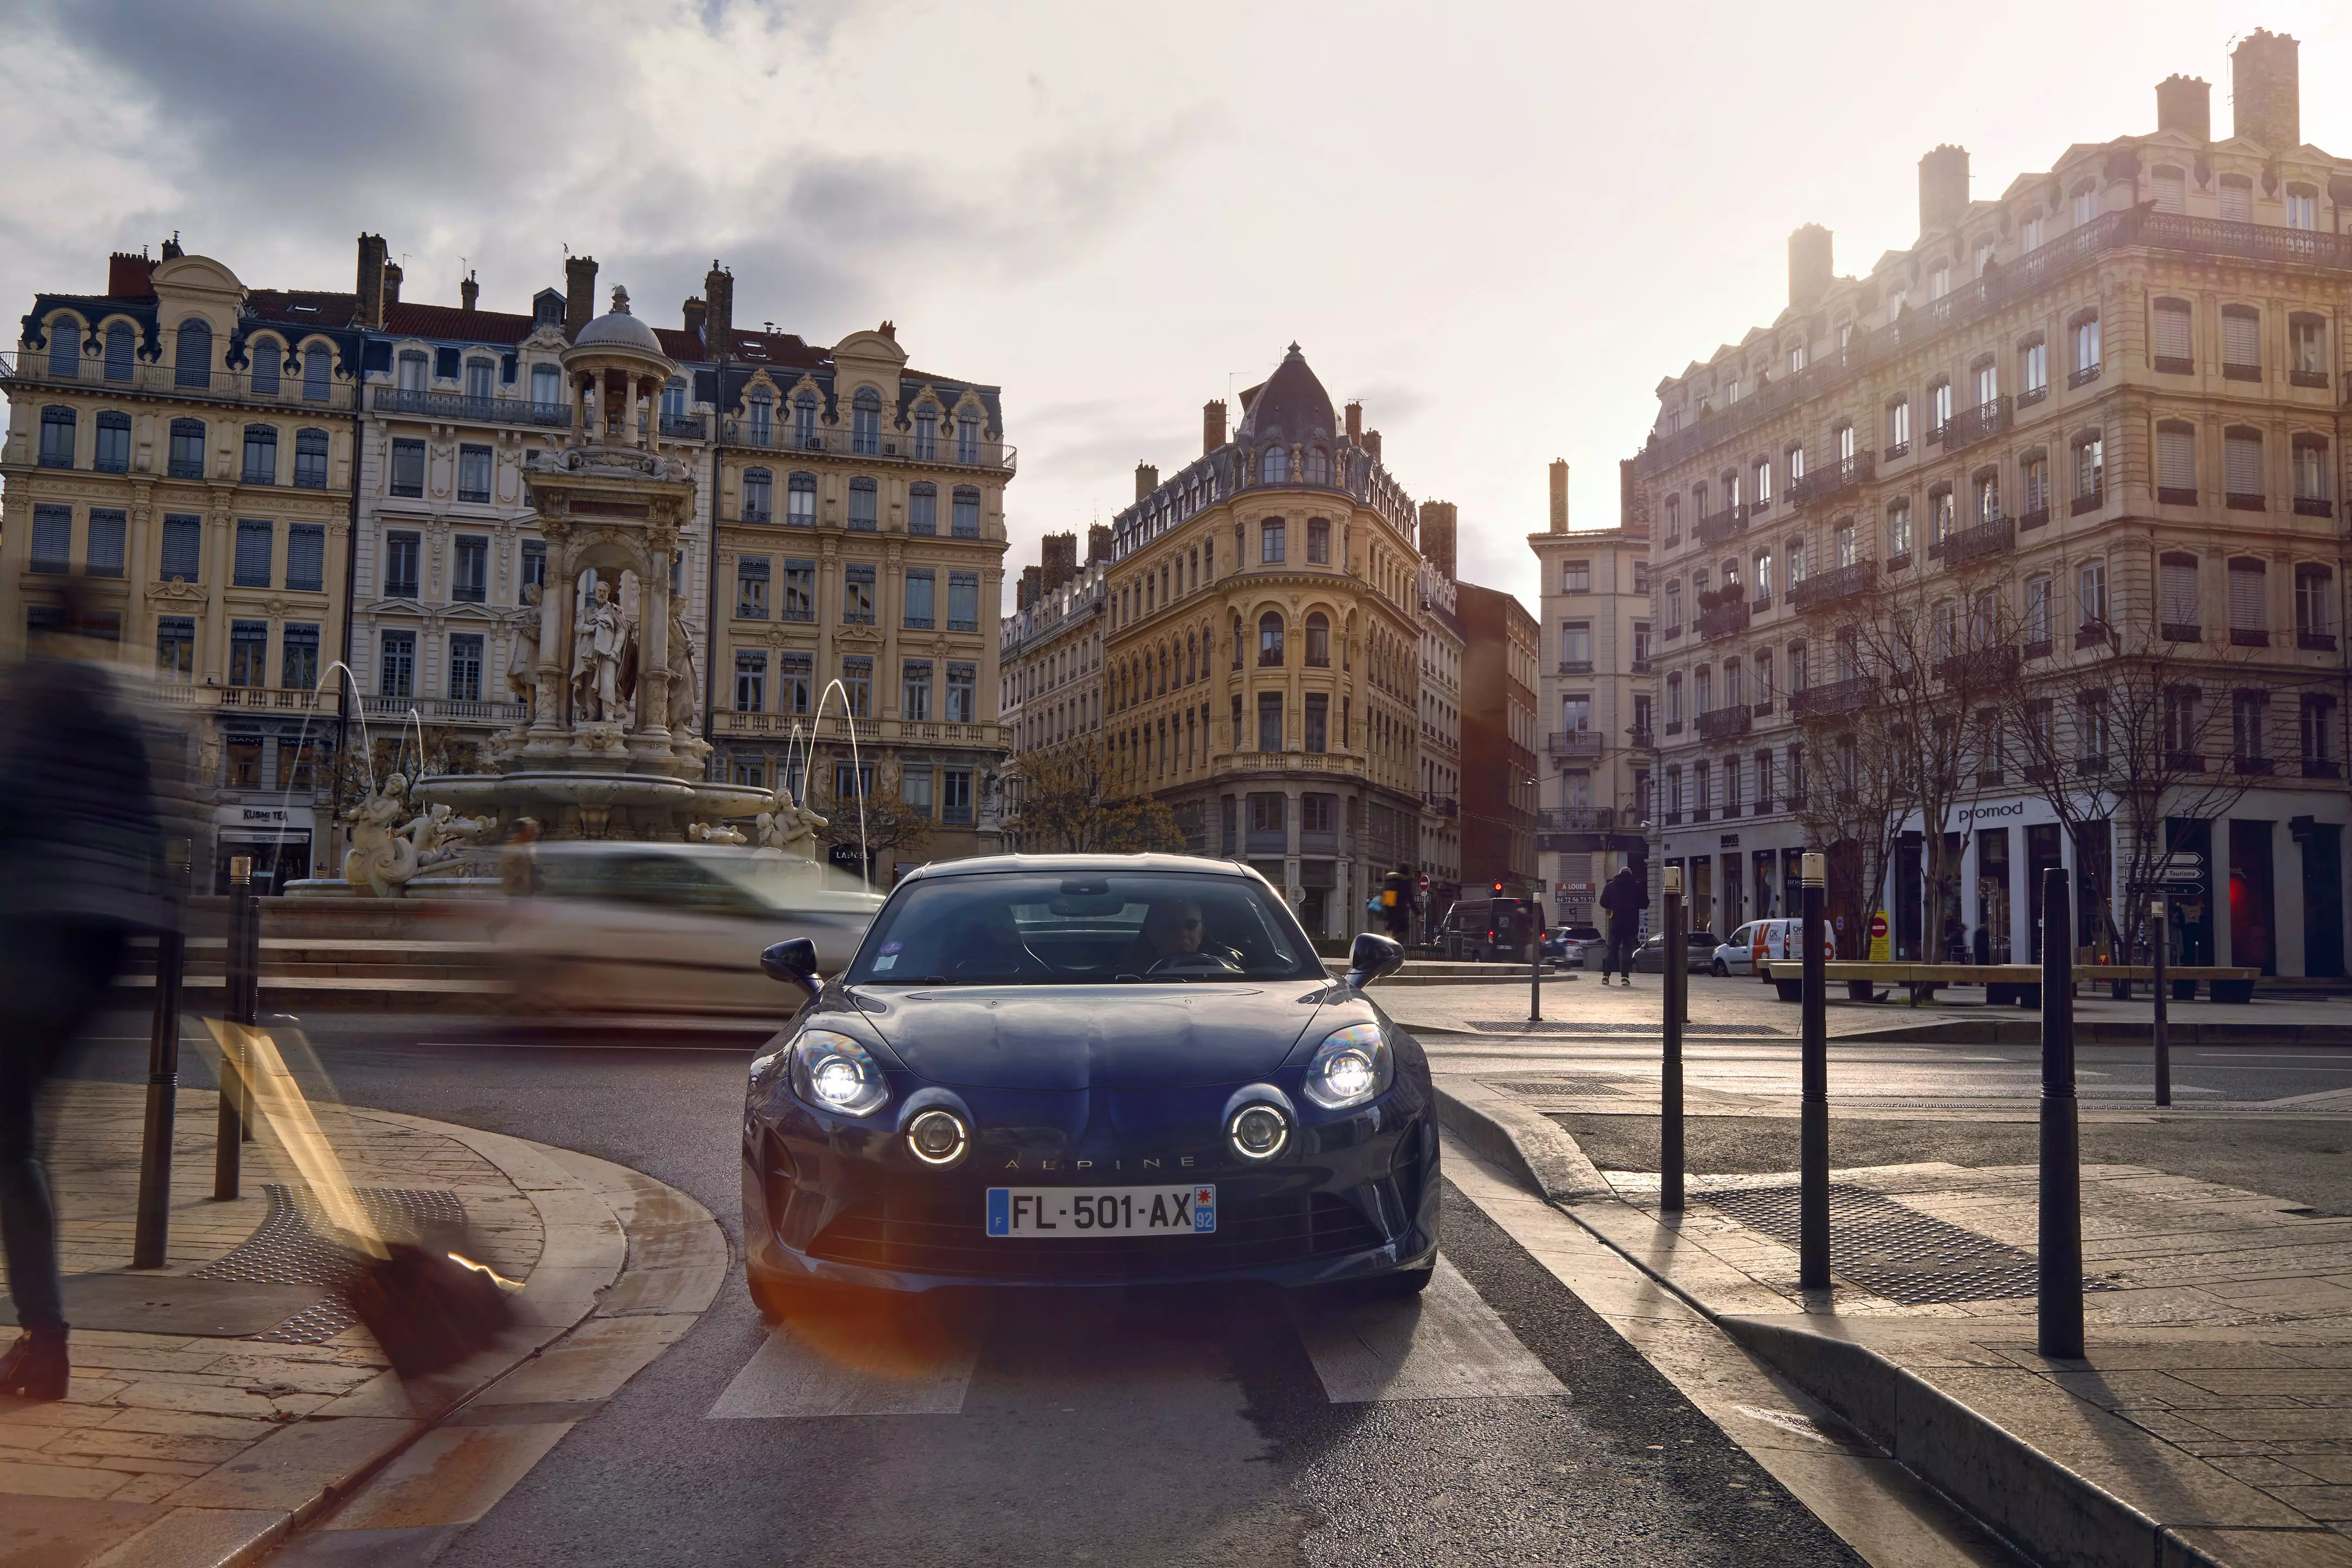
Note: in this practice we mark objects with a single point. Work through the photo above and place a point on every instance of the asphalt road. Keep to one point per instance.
(1146, 1428)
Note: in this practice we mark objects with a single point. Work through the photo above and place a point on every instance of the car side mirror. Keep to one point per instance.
(1374, 956)
(794, 962)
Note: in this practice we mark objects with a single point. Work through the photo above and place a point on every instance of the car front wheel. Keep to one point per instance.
(1717, 970)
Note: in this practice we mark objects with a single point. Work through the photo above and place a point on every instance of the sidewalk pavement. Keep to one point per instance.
(2210, 1423)
(205, 1439)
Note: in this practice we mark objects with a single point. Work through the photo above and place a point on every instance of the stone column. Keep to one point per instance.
(653, 646)
(549, 717)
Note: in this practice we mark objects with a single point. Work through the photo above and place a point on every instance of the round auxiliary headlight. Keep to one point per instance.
(938, 1137)
(1259, 1131)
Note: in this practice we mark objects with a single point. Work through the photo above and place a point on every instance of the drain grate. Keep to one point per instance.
(1890, 1249)
(288, 1250)
(1557, 1087)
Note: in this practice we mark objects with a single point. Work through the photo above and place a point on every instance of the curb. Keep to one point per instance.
(2044, 1509)
(615, 1244)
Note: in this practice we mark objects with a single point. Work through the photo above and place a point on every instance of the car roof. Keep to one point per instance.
(978, 865)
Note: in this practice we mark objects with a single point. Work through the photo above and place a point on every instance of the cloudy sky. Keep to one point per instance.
(1497, 226)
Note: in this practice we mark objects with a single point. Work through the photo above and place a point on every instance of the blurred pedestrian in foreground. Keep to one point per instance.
(518, 860)
(80, 852)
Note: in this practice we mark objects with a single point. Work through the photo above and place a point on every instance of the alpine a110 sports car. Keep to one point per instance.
(1094, 1070)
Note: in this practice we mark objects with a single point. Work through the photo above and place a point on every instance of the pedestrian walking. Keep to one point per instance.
(1397, 903)
(1983, 941)
(1623, 901)
(80, 862)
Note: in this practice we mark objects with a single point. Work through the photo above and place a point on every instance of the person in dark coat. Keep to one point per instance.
(1983, 945)
(1621, 902)
(1398, 904)
(80, 855)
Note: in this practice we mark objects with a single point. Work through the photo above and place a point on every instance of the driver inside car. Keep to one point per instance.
(1169, 929)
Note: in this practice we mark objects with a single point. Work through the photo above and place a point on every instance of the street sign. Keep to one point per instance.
(1424, 881)
(2181, 888)
(2182, 866)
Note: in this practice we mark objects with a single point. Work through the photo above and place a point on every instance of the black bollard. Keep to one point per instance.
(2059, 1308)
(1535, 964)
(228, 1134)
(1813, 1108)
(151, 1240)
(1670, 1072)
(2159, 941)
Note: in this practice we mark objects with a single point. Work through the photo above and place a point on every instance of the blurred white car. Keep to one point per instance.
(673, 927)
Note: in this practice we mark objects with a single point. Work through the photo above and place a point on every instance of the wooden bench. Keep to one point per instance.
(2005, 983)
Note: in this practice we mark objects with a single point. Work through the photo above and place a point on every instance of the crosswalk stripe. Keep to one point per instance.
(1448, 1345)
(791, 1376)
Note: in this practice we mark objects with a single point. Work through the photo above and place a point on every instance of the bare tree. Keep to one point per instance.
(1854, 800)
(1067, 800)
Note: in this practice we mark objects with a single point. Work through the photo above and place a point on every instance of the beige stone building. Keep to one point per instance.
(2109, 398)
(1442, 650)
(1262, 660)
(1595, 697)
(183, 444)
(1050, 651)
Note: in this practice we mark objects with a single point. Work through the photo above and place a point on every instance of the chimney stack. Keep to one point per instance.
(579, 293)
(1809, 266)
(1438, 524)
(2185, 103)
(1356, 423)
(1560, 495)
(1147, 479)
(467, 291)
(1372, 444)
(694, 312)
(1212, 424)
(1943, 188)
(1099, 544)
(1026, 593)
(2265, 96)
(719, 322)
(130, 277)
(1058, 553)
(1632, 516)
(391, 277)
(370, 281)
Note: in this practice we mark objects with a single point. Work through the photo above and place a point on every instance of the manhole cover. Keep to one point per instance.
(1557, 1087)
(286, 1250)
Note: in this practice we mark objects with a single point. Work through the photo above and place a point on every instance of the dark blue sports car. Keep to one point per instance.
(1087, 1070)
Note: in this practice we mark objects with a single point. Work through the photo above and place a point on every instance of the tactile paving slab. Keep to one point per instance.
(288, 1250)
(1892, 1250)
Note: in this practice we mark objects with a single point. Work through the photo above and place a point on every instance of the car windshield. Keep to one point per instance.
(1059, 927)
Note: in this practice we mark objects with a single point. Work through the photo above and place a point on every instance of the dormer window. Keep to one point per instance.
(2086, 202)
(2302, 206)
(1939, 279)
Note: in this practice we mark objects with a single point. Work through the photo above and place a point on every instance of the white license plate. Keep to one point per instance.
(1058, 1212)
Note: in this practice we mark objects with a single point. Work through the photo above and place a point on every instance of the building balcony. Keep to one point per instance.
(1642, 740)
(1717, 526)
(444, 710)
(1576, 819)
(869, 731)
(2251, 765)
(287, 393)
(421, 404)
(1983, 422)
(2033, 517)
(1829, 587)
(1834, 480)
(2322, 768)
(2090, 501)
(1441, 804)
(2318, 642)
(1641, 666)
(1979, 667)
(1576, 667)
(2314, 506)
(1837, 697)
(1291, 762)
(1997, 536)
(1726, 723)
(1724, 620)
(250, 699)
(878, 446)
(1574, 744)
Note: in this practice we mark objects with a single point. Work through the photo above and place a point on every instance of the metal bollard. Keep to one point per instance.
(150, 1239)
(1813, 1107)
(1670, 1074)
(2158, 942)
(1535, 968)
(229, 1130)
(2059, 1308)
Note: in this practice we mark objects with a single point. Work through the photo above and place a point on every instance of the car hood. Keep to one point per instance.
(1093, 1036)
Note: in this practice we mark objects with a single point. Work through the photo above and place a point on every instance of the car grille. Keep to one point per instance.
(932, 1237)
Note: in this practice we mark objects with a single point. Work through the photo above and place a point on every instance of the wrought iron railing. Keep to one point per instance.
(423, 404)
(1726, 723)
(1724, 620)
(1576, 818)
(883, 444)
(1835, 479)
(1575, 743)
(290, 392)
(1838, 582)
(1837, 697)
(1997, 537)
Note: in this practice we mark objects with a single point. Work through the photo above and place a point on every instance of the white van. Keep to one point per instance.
(1762, 942)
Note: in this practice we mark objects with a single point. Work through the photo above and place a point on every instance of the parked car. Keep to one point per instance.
(1760, 942)
(1698, 953)
(619, 927)
(1575, 947)
(1485, 929)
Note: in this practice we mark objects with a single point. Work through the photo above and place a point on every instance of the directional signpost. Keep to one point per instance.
(2182, 874)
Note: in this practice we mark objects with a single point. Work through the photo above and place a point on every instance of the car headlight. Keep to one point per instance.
(1258, 1132)
(938, 1136)
(1350, 1067)
(833, 1072)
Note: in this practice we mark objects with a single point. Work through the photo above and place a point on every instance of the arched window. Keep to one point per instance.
(800, 500)
(673, 397)
(927, 434)
(122, 348)
(922, 507)
(261, 454)
(1274, 466)
(188, 460)
(1318, 640)
(866, 422)
(1269, 638)
(64, 347)
(804, 421)
(864, 508)
(56, 436)
(310, 459)
(267, 359)
(1319, 466)
(763, 418)
(759, 496)
(318, 371)
(193, 357)
(113, 455)
(966, 520)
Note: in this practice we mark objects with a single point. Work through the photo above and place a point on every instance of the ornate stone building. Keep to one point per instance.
(184, 446)
(2101, 410)
(1500, 643)
(1441, 648)
(1262, 663)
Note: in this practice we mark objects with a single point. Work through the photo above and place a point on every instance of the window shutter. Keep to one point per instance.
(2176, 460)
(2245, 465)
(52, 537)
(2246, 608)
(2180, 594)
(2236, 201)
(2240, 339)
(2168, 190)
(2172, 332)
